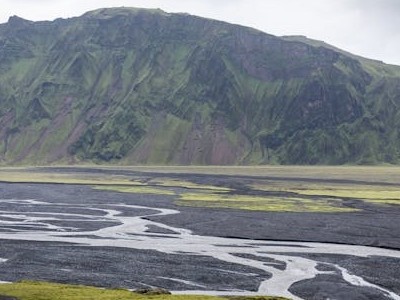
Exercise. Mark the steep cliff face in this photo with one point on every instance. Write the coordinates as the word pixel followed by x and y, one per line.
pixel 144 86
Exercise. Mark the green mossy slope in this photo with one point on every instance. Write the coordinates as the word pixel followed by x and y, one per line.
pixel 146 87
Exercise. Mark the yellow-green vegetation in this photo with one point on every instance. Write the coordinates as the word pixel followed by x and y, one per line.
pixel 134 189
pixel 384 174
pixel 188 185
pixel 120 183
pixel 159 187
pixel 378 194
pixel 24 175
pixel 257 203
pixel 304 189
pixel 28 290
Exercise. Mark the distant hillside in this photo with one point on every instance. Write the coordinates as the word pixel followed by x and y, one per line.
pixel 147 87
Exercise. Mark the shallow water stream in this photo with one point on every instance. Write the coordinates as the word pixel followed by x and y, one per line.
pixel 58 222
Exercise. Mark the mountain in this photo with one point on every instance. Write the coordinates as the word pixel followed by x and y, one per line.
pixel 137 86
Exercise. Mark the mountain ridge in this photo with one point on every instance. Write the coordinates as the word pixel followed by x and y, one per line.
pixel 138 86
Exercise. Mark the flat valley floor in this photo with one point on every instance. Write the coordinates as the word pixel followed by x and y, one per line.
pixel 298 232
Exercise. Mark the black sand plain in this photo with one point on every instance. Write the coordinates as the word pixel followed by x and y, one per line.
pixel 373 225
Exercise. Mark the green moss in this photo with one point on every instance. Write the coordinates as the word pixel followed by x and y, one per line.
pixel 29 290
pixel 168 139
pixel 257 203
pixel 21 69
pixel 294 100
pixel 134 189
pixel 188 185
pixel 378 195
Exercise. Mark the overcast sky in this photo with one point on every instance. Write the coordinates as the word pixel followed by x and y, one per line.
pixel 370 28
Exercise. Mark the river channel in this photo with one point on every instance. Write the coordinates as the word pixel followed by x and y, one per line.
pixel 286 263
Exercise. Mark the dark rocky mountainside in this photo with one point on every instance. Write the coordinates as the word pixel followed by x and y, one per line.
pixel 147 87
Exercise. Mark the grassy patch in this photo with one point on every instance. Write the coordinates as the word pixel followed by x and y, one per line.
pixel 376 196
pixel 33 177
pixel 188 185
pixel 300 192
pixel 257 203
pixel 367 193
pixel 28 290
pixel 384 174
pixel 159 187
pixel 119 183
pixel 134 189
